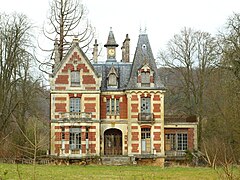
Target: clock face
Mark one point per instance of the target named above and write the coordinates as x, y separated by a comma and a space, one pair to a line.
111, 52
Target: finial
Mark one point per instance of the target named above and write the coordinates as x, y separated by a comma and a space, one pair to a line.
110, 28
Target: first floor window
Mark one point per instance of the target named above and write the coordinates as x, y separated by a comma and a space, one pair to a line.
75, 105
75, 138
112, 106
177, 141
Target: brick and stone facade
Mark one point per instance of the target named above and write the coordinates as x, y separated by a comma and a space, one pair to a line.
112, 108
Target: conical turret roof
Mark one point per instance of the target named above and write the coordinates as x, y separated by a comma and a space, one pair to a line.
111, 40
143, 55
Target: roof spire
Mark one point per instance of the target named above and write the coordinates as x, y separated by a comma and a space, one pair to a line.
111, 39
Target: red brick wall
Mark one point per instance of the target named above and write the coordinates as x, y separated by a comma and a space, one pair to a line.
88, 79
123, 107
156, 108
190, 138
134, 107
156, 97
62, 79
157, 147
90, 107
60, 107
92, 136
103, 110
156, 136
135, 148
92, 148
135, 136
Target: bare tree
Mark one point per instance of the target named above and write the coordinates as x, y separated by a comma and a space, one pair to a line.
15, 44
229, 41
191, 55
67, 19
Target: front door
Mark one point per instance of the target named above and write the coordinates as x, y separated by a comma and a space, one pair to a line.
112, 142
146, 140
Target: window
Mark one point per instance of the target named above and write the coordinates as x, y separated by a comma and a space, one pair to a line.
75, 138
170, 142
108, 106
112, 106
75, 105
145, 77
112, 80
63, 132
182, 141
75, 78
145, 105
176, 141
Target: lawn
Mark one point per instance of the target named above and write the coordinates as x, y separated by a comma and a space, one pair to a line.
60, 172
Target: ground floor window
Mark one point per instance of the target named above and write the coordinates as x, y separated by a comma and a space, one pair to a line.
176, 141
75, 138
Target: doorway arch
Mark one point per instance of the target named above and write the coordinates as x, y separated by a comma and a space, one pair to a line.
113, 142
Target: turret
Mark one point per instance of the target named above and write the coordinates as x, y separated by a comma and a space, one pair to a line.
111, 47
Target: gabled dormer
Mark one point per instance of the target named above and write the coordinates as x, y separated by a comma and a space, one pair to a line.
145, 76
112, 78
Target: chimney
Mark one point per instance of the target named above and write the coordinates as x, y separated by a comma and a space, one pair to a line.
95, 51
56, 52
126, 50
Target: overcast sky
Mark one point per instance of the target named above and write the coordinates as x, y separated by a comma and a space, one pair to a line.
162, 19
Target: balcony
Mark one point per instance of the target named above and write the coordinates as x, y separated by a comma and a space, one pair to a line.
145, 118
175, 155
75, 116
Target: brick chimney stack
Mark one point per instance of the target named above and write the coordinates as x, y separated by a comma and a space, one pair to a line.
95, 51
56, 52
126, 50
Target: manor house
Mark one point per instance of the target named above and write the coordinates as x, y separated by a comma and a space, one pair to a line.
114, 107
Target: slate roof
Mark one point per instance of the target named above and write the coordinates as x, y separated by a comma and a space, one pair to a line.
111, 40
127, 72
143, 55
123, 72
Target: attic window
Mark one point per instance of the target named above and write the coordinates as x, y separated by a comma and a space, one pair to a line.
112, 81
75, 78
145, 77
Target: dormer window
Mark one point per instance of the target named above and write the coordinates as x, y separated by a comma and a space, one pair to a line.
145, 77
112, 78
75, 78
112, 81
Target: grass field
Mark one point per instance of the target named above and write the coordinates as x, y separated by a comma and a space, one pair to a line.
60, 172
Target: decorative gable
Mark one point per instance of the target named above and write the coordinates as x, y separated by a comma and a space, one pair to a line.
75, 72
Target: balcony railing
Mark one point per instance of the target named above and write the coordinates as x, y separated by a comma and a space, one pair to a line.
175, 153
145, 118
75, 116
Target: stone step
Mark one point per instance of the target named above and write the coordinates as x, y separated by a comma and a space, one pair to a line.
116, 160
